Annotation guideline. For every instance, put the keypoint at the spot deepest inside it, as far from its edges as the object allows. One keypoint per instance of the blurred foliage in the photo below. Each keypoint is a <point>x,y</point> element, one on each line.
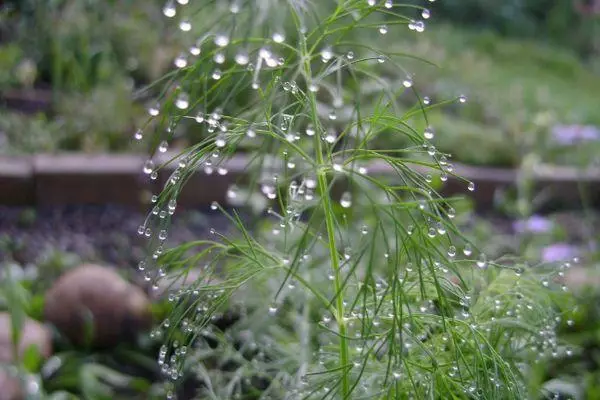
<point>555,21</point>
<point>517,90</point>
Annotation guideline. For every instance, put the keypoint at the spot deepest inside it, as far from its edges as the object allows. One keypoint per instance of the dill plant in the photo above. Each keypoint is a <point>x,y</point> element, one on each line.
<point>354,280</point>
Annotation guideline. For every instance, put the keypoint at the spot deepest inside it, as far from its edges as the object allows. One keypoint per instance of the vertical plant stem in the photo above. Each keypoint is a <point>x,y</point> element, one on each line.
<point>330,226</point>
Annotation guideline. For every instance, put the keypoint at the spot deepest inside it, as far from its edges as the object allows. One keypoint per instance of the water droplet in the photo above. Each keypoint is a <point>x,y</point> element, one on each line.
<point>407,82</point>
<point>451,251</point>
<point>185,25</point>
<point>221,40</point>
<point>388,4</point>
<point>346,200</point>
<point>330,138</point>
<point>148,167</point>
<point>451,212</point>
<point>162,235</point>
<point>482,262</point>
<point>426,100</point>
<point>278,37</point>
<point>364,230</point>
<point>429,133</point>
<point>153,111</point>
<point>138,135</point>
<point>462,98</point>
<point>426,14</point>
<point>219,58</point>
<point>269,191</point>
<point>272,309</point>
<point>241,58</point>
<point>471,187</point>
<point>431,232</point>
<point>182,102</point>
<point>467,251</point>
<point>350,55</point>
<point>220,141</point>
<point>310,130</point>
<point>441,228</point>
<point>169,9</point>
<point>217,74</point>
<point>383,29</point>
<point>326,54</point>
<point>195,50</point>
<point>332,115</point>
<point>163,146</point>
<point>371,2</point>
<point>180,61</point>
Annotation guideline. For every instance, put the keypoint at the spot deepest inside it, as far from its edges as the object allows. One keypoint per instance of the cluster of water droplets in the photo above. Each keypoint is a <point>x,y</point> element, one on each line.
<point>288,182</point>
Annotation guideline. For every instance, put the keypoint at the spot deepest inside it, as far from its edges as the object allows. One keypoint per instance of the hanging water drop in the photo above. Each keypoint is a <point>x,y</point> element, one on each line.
<point>219,58</point>
<point>185,25</point>
<point>241,58</point>
<point>153,111</point>
<point>407,82</point>
<point>221,40</point>
<point>278,37</point>
<point>326,54</point>
<point>426,14</point>
<point>180,61</point>
<point>346,200</point>
<point>482,262</point>
<point>383,29</point>
<point>220,141</point>
<point>471,186</point>
<point>451,251</point>
<point>429,133</point>
<point>272,309</point>
<point>467,250</point>
<point>163,146</point>
<point>148,167</point>
<point>169,9</point>
<point>182,102</point>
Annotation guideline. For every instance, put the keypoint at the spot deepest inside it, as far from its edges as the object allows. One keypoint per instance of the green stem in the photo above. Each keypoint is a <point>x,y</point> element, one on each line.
<point>323,188</point>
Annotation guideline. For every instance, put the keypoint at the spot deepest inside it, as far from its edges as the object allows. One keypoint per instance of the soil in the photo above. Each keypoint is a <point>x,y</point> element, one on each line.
<point>102,234</point>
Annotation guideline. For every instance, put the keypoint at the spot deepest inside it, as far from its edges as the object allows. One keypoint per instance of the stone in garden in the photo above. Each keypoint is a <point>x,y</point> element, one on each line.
<point>10,387</point>
<point>94,305</point>
<point>33,334</point>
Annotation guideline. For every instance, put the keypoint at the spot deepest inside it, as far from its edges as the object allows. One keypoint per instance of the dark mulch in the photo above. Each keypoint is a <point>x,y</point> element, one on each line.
<point>106,234</point>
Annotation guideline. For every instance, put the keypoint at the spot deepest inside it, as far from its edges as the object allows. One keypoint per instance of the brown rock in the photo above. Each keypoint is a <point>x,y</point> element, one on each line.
<point>10,387</point>
<point>33,333</point>
<point>95,303</point>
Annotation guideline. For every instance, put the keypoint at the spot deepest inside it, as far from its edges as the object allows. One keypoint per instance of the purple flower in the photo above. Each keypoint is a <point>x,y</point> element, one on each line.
<point>534,224</point>
<point>559,252</point>
<point>571,134</point>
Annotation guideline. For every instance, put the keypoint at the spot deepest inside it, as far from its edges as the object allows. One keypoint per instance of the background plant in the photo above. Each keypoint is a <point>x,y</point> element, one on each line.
<point>355,288</point>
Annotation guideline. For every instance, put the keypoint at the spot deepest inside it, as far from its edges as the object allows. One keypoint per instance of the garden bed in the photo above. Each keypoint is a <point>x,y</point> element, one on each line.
<point>78,178</point>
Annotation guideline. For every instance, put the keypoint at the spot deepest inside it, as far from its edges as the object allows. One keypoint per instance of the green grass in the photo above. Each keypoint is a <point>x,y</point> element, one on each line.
<point>516,89</point>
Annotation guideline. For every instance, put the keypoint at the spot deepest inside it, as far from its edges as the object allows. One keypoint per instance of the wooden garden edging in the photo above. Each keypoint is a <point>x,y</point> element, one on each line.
<point>76,178</point>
